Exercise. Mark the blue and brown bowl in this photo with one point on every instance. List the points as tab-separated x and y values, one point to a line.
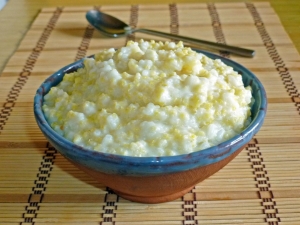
153	179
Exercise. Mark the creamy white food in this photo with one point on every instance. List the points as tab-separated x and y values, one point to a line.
149	99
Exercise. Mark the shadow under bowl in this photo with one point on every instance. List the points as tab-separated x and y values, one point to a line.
153	179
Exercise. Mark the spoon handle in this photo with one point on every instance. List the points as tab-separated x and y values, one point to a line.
213	45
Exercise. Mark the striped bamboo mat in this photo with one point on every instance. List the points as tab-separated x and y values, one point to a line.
260	186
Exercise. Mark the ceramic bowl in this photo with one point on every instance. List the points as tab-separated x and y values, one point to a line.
153	179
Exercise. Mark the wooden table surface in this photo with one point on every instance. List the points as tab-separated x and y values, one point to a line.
17	16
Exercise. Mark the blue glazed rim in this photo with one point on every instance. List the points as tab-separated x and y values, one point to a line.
148	166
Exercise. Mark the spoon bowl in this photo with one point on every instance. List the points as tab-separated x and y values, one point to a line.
113	27
107	24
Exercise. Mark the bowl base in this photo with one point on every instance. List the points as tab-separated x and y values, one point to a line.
153	199
160	188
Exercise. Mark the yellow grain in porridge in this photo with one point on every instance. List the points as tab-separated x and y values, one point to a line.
149	99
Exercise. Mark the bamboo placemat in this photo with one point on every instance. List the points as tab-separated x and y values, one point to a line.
260	186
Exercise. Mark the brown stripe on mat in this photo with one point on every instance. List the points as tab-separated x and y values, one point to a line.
134	15
268	199
85	42
39	189
217	27
253	151
189	200
274	55
109	208
82	49
26	71
262	183
111	198
174	26
48	159
190	208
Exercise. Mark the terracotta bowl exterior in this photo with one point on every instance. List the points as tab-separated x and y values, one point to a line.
153	179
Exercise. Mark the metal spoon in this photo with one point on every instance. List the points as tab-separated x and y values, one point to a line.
113	27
